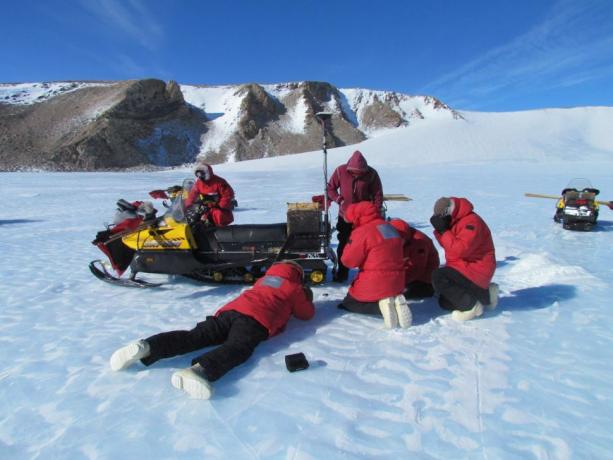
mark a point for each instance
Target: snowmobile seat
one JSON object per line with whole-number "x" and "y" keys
{"x": 251, "y": 233}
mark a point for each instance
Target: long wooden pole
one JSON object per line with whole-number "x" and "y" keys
{"x": 557, "y": 197}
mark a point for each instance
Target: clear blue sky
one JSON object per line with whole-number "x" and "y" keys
{"x": 495, "y": 55}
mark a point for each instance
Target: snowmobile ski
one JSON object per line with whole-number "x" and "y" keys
{"x": 99, "y": 271}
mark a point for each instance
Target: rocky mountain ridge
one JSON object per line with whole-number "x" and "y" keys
{"x": 116, "y": 125}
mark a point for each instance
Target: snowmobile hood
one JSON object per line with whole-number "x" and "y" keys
{"x": 357, "y": 162}
{"x": 291, "y": 271}
{"x": 462, "y": 207}
{"x": 362, "y": 213}
{"x": 405, "y": 230}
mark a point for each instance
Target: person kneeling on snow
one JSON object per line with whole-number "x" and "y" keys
{"x": 258, "y": 313}
{"x": 214, "y": 194}
{"x": 464, "y": 283}
{"x": 375, "y": 247}
{"x": 420, "y": 260}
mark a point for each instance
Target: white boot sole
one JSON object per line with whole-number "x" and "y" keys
{"x": 191, "y": 383}
{"x": 403, "y": 312}
{"x": 388, "y": 311}
{"x": 462, "y": 316}
{"x": 128, "y": 355}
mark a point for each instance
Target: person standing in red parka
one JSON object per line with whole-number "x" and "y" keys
{"x": 352, "y": 183}
{"x": 375, "y": 248}
{"x": 464, "y": 283}
{"x": 420, "y": 260}
{"x": 215, "y": 193}
{"x": 258, "y": 313}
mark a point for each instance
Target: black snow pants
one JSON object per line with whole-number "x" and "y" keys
{"x": 418, "y": 290}
{"x": 456, "y": 292}
{"x": 236, "y": 334}
{"x": 344, "y": 231}
{"x": 355, "y": 306}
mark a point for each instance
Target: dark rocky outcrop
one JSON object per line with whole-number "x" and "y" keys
{"x": 128, "y": 124}
{"x": 143, "y": 123}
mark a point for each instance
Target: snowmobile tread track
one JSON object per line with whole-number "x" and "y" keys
{"x": 102, "y": 274}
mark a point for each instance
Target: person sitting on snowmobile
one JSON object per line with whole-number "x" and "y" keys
{"x": 375, "y": 247}
{"x": 352, "y": 183}
{"x": 255, "y": 315}
{"x": 213, "y": 195}
{"x": 464, "y": 283}
{"x": 420, "y": 259}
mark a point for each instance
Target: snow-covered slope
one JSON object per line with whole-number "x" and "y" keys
{"x": 31, "y": 93}
{"x": 580, "y": 135}
{"x": 530, "y": 380}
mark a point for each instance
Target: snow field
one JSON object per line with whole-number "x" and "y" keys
{"x": 528, "y": 380}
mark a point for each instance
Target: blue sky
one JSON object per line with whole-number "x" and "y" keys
{"x": 493, "y": 55}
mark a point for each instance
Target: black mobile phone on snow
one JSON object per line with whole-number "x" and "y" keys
{"x": 296, "y": 362}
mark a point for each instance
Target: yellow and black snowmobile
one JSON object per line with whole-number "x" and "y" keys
{"x": 577, "y": 207}
{"x": 178, "y": 243}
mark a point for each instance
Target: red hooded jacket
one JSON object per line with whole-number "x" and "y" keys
{"x": 274, "y": 298}
{"x": 344, "y": 188}
{"x": 420, "y": 255}
{"x": 468, "y": 244}
{"x": 222, "y": 213}
{"x": 375, "y": 247}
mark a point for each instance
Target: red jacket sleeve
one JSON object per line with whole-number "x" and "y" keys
{"x": 461, "y": 243}
{"x": 333, "y": 184}
{"x": 226, "y": 195}
{"x": 354, "y": 253}
{"x": 302, "y": 308}
{"x": 433, "y": 259}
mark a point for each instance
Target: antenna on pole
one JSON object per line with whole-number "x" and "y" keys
{"x": 322, "y": 117}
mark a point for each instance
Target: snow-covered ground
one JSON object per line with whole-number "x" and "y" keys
{"x": 529, "y": 380}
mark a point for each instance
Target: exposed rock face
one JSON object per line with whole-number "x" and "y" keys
{"x": 99, "y": 126}
{"x": 133, "y": 123}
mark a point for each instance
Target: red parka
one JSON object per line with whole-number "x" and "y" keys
{"x": 221, "y": 213}
{"x": 344, "y": 188}
{"x": 375, "y": 247}
{"x": 468, "y": 244}
{"x": 420, "y": 255}
{"x": 274, "y": 298}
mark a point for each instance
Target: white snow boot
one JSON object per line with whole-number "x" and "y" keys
{"x": 128, "y": 355}
{"x": 475, "y": 311}
{"x": 193, "y": 382}
{"x": 387, "y": 307}
{"x": 493, "y": 296}
{"x": 403, "y": 312}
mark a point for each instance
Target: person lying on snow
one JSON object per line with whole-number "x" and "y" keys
{"x": 420, "y": 260}
{"x": 214, "y": 194}
{"x": 238, "y": 327}
{"x": 464, "y": 283}
{"x": 375, "y": 248}
{"x": 352, "y": 183}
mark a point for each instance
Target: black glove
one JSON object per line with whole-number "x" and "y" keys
{"x": 102, "y": 236}
{"x": 440, "y": 223}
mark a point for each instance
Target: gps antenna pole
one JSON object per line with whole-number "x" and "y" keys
{"x": 323, "y": 117}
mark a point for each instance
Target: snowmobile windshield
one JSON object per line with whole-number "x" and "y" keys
{"x": 579, "y": 184}
{"x": 177, "y": 205}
